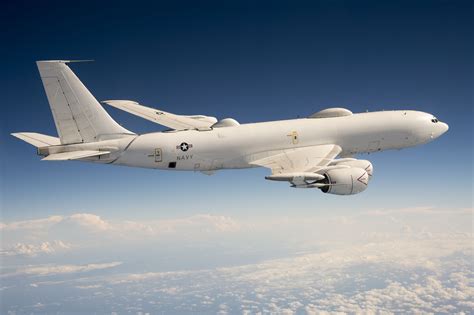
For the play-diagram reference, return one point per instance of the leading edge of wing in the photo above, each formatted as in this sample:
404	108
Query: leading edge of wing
173	121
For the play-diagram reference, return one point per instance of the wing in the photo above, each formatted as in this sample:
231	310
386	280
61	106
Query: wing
173	121
298	165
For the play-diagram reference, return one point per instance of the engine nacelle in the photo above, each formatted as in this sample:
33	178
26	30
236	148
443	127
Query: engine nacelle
345	181
364	164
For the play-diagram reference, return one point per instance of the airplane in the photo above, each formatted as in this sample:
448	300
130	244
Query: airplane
313	152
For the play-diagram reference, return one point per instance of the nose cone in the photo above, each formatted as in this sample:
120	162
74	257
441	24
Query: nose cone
443	127
440	128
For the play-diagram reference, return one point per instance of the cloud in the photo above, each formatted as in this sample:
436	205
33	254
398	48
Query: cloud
86	220
34	250
389	261
31	224
87	287
93	227
89	221
81	231
420	210
397	276
202	222
48	270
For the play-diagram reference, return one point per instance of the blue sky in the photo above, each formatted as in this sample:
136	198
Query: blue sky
252	61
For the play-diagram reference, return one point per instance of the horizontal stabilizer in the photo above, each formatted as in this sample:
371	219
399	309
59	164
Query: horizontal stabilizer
64	156
36	139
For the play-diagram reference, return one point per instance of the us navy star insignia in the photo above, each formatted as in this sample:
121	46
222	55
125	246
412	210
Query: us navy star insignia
184	146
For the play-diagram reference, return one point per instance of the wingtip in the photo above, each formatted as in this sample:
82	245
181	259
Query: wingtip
116	103
64	61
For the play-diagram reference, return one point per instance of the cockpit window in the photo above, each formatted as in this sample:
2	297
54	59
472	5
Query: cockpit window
434	120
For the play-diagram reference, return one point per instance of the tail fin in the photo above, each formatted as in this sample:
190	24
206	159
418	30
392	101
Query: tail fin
77	114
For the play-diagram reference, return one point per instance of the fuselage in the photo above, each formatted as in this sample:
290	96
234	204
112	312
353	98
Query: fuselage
236	146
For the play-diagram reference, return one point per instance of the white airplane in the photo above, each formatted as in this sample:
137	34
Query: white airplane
312	152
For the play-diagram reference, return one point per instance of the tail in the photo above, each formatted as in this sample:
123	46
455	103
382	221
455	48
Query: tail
78	116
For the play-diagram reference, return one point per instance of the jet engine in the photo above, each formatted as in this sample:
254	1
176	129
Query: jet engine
364	164
344	181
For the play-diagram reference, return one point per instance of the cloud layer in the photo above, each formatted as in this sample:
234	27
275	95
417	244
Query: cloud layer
48	270
34	250
422	276
416	260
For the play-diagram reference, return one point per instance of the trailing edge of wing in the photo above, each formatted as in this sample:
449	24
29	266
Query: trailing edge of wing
173	121
64	156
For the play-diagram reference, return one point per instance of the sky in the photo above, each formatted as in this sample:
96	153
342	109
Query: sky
102	232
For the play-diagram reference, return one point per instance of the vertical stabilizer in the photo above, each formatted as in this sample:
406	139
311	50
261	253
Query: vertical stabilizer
77	114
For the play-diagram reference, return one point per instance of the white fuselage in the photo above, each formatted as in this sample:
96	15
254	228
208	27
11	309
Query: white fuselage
236	146
313	152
